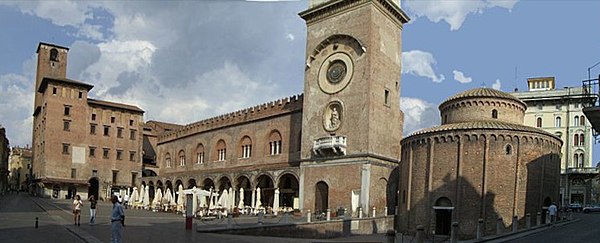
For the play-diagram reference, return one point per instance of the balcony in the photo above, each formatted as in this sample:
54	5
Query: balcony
329	146
584	170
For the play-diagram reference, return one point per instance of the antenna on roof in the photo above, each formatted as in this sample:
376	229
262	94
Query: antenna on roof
516	88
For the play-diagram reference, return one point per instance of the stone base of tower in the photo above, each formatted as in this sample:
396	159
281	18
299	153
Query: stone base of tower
349	183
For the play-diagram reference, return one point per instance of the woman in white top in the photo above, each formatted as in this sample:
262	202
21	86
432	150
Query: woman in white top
77	205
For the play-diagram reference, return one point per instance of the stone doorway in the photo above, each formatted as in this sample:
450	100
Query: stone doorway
321	197
443	216
94	187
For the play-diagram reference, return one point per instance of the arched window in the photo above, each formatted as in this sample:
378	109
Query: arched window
557	122
576	140
581	140
181	158
576	122
539	122
582	121
494	114
508	149
580	161
168	160
54	55
200	154
274	143
246	147
221	150
575	160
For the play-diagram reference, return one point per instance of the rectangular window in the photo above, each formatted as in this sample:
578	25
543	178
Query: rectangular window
133	176
105	153
106	130
80	94
112	119
119	154
73	173
120	132
67	111
66	125
92	129
130	122
132	134
131	156
92	151
65	148
53	90
93	117
114	177
200	159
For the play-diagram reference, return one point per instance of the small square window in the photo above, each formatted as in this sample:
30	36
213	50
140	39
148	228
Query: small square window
132	134
131	156
67	111
119	154
92	129
80	94
112	119
106	130
105	153
130	122
387	97
73	173
53	90
93	117
66	125
120	132
92	151
65	148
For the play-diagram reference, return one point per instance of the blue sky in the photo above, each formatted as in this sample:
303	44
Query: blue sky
214	57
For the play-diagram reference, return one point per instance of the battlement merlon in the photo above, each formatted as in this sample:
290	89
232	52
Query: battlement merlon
265	110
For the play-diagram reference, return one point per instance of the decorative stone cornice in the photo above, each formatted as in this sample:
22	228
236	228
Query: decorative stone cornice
334	7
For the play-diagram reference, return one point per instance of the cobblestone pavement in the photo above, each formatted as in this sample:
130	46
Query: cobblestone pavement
18	214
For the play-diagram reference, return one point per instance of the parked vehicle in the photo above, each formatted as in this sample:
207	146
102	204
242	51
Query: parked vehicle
590	209
575	207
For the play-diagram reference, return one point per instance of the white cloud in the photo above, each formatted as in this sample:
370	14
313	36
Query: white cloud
453	12
460	77
418	114
16	102
420	63
497	85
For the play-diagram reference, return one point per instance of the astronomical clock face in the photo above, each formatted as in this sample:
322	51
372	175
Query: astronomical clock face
335	73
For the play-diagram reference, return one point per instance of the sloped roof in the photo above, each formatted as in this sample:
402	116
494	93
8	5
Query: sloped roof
45	81
114	105
482	93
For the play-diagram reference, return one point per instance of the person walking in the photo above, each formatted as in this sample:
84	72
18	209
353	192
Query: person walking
93	203
77	205
117	220
126	200
552	212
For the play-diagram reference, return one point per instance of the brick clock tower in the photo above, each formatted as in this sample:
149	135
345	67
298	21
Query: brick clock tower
352	122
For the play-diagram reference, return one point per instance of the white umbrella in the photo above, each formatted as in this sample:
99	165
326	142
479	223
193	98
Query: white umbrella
258	203
194	199
276	201
180	198
232	198
141	198
213	199
157	199
134	196
241	203
224	199
146	201
172	203
202	200
167	198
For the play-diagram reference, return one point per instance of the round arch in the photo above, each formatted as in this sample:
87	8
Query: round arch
289	190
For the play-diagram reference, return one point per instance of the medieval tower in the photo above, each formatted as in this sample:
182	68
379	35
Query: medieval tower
351	122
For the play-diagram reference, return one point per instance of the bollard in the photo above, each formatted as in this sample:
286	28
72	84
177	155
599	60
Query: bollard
515	224
499	226
374	214
528	220
454	232
360	215
420	233
399	238
345	213
36	222
385	211
308	215
538	220
229	221
479	229
261	215
328	214
390	236
547	217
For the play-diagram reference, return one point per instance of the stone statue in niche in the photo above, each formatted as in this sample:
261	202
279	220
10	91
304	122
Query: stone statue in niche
332	118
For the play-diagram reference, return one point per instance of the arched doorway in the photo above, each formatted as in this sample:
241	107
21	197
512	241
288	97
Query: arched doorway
391	191
93	187
208	184
224	183
244	182
321	197
72	191
169	185
267	190
289	190
443	216
191	183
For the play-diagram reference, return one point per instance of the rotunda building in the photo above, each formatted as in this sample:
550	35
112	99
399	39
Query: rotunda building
480	163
